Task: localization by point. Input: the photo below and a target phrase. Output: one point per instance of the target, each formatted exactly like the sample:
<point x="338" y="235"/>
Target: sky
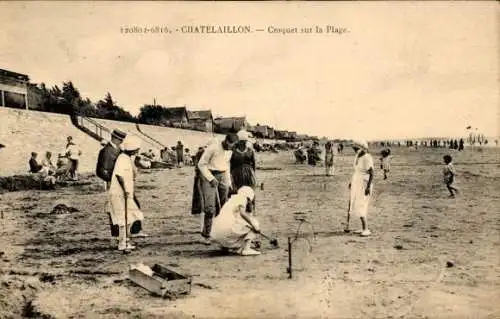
<point x="403" y="69"/>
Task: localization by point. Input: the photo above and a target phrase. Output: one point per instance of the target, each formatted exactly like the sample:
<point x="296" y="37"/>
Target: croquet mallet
<point x="272" y="241"/>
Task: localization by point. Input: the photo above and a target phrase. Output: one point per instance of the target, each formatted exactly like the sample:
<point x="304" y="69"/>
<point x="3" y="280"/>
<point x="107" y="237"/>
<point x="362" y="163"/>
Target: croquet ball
<point x="398" y="247"/>
<point x="450" y="264"/>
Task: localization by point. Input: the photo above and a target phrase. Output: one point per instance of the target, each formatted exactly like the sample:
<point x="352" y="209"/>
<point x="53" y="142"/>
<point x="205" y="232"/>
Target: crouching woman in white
<point x="361" y="186"/>
<point x="233" y="228"/>
<point x="121" y="192"/>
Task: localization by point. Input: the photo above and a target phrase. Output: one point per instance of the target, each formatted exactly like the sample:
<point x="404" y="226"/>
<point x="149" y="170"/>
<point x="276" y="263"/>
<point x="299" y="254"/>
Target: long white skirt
<point x="232" y="234"/>
<point x="358" y="200"/>
<point x="117" y="207"/>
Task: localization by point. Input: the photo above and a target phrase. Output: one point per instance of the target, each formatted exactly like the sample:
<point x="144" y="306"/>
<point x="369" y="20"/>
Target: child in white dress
<point x="449" y="174"/>
<point x="385" y="163"/>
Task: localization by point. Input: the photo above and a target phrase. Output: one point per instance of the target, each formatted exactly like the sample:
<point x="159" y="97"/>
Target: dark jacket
<point x="34" y="166"/>
<point x="106" y="162"/>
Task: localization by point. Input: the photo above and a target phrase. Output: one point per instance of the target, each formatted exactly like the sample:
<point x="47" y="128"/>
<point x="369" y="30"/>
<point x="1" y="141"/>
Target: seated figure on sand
<point x="43" y="172"/>
<point x="63" y="167"/>
<point x="35" y="167"/>
<point x="150" y="155"/>
<point x="47" y="162"/>
<point x="234" y="228"/>
<point x="142" y="162"/>
<point x="188" y="160"/>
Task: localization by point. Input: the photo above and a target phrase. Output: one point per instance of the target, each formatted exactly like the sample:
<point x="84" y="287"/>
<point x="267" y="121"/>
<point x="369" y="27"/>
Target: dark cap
<point x="118" y="134"/>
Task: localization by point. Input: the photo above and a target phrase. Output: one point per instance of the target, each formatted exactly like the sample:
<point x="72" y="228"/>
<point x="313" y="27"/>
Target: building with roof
<point x="177" y="115"/>
<point x="13" y="89"/>
<point x="201" y="120"/>
<point x="225" y="125"/>
<point x="264" y="131"/>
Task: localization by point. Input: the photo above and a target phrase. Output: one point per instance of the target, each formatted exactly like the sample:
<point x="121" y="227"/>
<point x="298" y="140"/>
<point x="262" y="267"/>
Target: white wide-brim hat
<point x="131" y="143"/>
<point x="247" y="192"/>
<point x="361" y="143"/>
<point x="243" y="135"/>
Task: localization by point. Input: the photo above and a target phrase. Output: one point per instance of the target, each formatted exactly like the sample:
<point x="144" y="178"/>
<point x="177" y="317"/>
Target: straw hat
<point x="119" y="134"/>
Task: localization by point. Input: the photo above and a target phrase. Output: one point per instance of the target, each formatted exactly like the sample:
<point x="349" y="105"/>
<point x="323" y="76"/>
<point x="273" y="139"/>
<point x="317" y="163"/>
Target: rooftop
<point x="10" y="74"/>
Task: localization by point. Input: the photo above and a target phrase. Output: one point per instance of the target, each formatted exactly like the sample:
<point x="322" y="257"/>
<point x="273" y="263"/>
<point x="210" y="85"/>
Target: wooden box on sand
<point x="160" y="281"/>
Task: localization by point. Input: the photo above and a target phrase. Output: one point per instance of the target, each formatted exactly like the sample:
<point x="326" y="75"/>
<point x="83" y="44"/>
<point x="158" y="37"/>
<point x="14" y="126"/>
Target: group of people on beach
<point x="224" y="193"/>
<point x="224" y="189"/>
<point x="361" y="184"/>
<point x="66" y="167"/>
<point x="176" y="156"/>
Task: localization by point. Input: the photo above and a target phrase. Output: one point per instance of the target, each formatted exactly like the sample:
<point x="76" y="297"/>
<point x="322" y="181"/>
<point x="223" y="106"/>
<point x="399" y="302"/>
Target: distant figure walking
<point x="73" y="153"/>
<point x="329" y="159"/>
<point x="179" y="149"/>
<point x="385" y="164"/>
<point x="361" y="186"/>
<point x="449" y="175"/>
<point x="461" y="145"/>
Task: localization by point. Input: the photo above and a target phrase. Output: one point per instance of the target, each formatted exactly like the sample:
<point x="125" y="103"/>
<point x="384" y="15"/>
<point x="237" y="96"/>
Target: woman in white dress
<point x="121" y="189"/>
<point x="234" y="228"/>
<point x="361" y="186"/>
